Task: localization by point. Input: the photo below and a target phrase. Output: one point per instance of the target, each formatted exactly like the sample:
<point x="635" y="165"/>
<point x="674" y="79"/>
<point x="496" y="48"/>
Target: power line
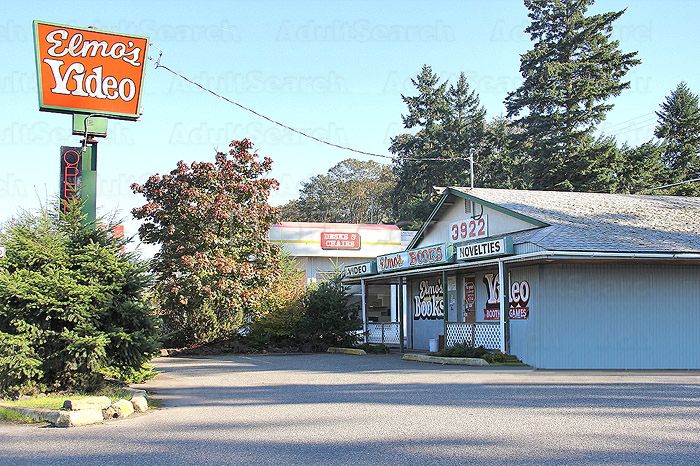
<point x="671" y="185"/>
<point x="294" y="130"/>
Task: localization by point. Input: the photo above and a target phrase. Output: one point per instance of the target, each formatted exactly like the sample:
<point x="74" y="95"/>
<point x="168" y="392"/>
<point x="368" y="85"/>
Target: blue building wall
<point x="614" y="316"/>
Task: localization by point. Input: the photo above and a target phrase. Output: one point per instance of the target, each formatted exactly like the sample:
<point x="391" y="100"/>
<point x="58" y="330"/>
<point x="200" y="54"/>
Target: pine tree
<point x="679" y="129"/>
<point x="448" y="121"/>
<point x="570" y="74"/>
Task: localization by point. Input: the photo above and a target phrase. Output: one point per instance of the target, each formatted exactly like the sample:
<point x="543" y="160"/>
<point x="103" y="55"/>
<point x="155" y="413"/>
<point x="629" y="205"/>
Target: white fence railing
<point x="383" y="332"/>
<point x="483" y="334"/>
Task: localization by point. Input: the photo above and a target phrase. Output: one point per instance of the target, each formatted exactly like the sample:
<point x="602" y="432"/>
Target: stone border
<point x="352" y="351"/>
<point x="89" y="411"/>
<point x="444" y="360"/>
<point x="60" y="418"/>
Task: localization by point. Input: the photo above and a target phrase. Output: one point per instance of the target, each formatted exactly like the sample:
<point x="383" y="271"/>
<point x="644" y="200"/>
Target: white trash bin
<point x="433" y="345"/>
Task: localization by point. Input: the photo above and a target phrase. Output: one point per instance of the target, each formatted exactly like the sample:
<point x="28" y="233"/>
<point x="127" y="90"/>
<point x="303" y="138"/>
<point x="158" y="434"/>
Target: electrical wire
<point x="694" y="180"/>
<point x="294" y="130"/>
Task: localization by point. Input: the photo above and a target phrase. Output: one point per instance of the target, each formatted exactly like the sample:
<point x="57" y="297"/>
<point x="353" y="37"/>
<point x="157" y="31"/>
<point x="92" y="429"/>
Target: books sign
<point x="414" y="258"/>
<point x="83" y="70"/>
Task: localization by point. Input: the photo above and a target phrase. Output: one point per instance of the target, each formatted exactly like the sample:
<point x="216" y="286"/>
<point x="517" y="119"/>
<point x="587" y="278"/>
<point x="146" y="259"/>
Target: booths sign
<point x="414" y="258"/>
<point x="82" y="70"/>
<point x="519" y="297"/>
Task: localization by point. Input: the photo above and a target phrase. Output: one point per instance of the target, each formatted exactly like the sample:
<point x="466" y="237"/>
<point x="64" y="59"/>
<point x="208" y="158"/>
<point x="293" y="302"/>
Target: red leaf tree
<point x="215" y="263"/>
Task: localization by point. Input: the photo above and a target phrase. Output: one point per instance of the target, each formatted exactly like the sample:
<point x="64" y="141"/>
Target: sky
<point x="335" y="69"/>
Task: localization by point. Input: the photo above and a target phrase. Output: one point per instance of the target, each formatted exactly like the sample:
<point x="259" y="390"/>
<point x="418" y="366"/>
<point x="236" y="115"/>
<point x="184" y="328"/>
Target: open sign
<point x="81" y="70"/>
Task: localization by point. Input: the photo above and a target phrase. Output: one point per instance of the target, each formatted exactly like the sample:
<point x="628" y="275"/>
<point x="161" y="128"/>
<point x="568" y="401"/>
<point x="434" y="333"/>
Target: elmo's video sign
<point x="83" y="70"/>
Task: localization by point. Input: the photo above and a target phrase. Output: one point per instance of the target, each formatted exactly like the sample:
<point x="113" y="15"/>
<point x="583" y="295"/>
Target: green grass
<point x="55" y="401"/>
<point x="8" y="415"/>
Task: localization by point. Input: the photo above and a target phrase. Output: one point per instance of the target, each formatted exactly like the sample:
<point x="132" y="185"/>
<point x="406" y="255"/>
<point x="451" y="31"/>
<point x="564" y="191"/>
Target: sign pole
<point x="88" y="189"/>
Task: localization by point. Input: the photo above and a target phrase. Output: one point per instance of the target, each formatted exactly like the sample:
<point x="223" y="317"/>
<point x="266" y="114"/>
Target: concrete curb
<point x="353" y="351"/>
<point x="60" y="418"/>
<point x="444" y="360"/>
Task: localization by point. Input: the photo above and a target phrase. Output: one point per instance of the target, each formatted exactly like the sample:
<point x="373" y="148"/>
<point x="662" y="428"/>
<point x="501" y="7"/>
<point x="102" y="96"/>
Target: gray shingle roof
<point x="602" y="222"/>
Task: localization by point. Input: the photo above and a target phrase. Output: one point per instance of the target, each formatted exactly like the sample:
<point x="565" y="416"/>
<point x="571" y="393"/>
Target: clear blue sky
<point x="334" y="68"/>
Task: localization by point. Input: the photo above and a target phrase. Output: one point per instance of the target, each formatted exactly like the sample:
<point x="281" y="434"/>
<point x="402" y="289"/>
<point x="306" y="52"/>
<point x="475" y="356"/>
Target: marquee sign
<point x="518" y="297"/>
<point x="472" y="228"/>
<point x="360" y="270"/>
<point x="414" y="258"/>
<point x="82" y="70"/>
<point x="71" y="174"/>
<point x="340" y="241"/>
<point x="483" y="249"/>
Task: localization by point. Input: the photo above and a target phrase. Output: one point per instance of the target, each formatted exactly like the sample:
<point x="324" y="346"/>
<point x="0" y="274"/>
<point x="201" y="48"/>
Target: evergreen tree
<point x="570" y="74"/>
<point x="72" y="305"/>
<point x="499" y="164"/>
<point x="679" y="129"/>
<point x="448" y="124"/>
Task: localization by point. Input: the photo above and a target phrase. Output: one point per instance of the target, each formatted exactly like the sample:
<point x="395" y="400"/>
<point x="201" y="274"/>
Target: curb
<point x="352" y="351"/>
<point x="445" y="360"/>
<point x="60" y="418"/>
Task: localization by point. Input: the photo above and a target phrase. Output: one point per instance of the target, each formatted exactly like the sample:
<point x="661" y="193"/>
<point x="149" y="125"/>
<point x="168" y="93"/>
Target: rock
<point x="41" y="395"/>
<point x="165" y="352"/>
<point x="136" y="392"/>
<point x="109" y="413"/>
<point x="123" y="408"/>
<point x="93" y="402"/>
<point x="83" y="417"/>
<point x="140" y="404"/>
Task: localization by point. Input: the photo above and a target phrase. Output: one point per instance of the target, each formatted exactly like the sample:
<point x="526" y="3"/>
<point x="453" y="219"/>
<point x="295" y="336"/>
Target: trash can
<point x="433" y="345"/>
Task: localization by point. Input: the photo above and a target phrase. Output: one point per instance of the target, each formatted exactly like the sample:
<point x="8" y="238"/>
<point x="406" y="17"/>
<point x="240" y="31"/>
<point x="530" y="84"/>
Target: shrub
<point x="71" y="304"/>
<point x="464" y="350"/>
<point x="328" y="319"/>
<point x="374" y="349"/>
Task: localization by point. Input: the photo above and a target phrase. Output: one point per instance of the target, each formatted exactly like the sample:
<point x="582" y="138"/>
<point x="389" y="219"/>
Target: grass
<point x="55" y="400"/>
<point x="8" y="415"/>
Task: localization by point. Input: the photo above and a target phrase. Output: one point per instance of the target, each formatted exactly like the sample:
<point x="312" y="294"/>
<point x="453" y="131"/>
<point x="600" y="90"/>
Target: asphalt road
<point x="336" y="409"/>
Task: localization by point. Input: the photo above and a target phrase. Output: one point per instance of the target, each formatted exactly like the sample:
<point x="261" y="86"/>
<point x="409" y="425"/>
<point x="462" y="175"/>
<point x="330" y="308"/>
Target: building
<point x="323" y="249"/>
<point x="591" y="280"/>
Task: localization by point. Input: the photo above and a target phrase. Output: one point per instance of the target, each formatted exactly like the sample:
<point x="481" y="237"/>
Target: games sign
<point x="518" y="296"/>
<point x="83" y="70"/>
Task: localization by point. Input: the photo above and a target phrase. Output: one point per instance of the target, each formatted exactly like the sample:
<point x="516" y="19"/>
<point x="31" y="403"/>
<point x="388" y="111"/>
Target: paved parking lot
<point x="336" y="409"/>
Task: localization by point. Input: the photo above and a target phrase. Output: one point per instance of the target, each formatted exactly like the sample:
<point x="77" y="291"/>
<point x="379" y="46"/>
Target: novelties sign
<point x="414" y="258"/>
<point x="484" y="249"/>
<point x="340" y="241"/>
<point x="82" y="70"/>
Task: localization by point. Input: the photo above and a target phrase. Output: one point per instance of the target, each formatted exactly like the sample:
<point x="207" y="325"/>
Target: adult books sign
<point x="83" y="70"/>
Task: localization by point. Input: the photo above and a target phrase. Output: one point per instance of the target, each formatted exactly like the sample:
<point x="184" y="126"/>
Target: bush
<point x="464" y="350"/>
<point x="328" y="319"/>
<point x="71" y="304"/>
<point x="374" y="349"/>
<point x="308" y="319"/>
